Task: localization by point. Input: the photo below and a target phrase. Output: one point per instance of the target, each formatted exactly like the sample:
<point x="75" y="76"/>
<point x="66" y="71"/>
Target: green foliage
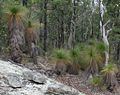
<point x="109" y="76"/>
<point x="74" y="55"/>
<point x="110" y="68"/>
<point x="97" y="81"/>
<point x="16" y="10"/>
<point x="31" y="23"/>
<point x="60" y="55"/>
<point x="60" y="2"/>
<point x="91" y="51"/>
<point x="74" y="52"/>
<point x="116" y="30"/>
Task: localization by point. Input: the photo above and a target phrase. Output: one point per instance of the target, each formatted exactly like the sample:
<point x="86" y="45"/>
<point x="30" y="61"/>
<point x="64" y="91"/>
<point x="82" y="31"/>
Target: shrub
<point x="97" y="81"/>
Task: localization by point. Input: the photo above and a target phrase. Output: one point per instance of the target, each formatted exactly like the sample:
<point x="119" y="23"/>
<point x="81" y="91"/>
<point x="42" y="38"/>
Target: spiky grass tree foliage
<point x="74" y="67"/>
<point x="74" y="55"/>
<point x="61" y="58"/>
<point x="92" y="56"/>
<point x="15" y="15"/>
<point x="109" y="76"/>
<point x="96" y="82"/>
<point x="93" y="61"/>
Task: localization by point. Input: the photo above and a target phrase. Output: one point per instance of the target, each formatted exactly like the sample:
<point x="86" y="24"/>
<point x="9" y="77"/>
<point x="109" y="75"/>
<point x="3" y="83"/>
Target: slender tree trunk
<point x="71" y="39"/>
<point x="59" y="37"/>
<point x="103" y="31"/>
<point x="118" y="51"/>
<point x="45" y="26"/>
<point x="62" y="29"/>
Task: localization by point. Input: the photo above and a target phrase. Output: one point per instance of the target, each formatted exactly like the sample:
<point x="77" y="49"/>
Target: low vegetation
<point x="92" y="56"/>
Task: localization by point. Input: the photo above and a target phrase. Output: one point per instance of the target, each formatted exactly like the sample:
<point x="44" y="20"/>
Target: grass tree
<point x="93" y="61"/>
<point x="31" y="39"/>
<point x="92" y="56"/>
<point x="15" y="16"/>
<point x="74" y="67"/>
<point x="109" y="76"/>
<point x="61" y="58"/>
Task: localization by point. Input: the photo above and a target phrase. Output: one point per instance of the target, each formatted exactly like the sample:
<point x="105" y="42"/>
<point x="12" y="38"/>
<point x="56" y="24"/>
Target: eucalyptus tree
<point x="71" y="40"/>
<point x="106" y="29"/>
<point x="113" y="8"/>
<point x="103" y="30"/>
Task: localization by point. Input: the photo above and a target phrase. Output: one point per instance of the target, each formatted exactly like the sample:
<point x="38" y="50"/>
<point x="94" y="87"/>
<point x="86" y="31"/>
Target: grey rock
<point x="35" y="77"/>
<point x="4" y="93"/>
<point x="14" y="80"/>
<point x="20" y="78"/>
<point x="38" y="78"/>
<point x="59" y="91"/>
<point x="28" y="75"/>
<point x="9" y="93"/>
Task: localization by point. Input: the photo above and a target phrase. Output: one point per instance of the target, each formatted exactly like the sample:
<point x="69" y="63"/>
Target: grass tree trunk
<point x="31" y="43"/>
<point x="15" y="39"/>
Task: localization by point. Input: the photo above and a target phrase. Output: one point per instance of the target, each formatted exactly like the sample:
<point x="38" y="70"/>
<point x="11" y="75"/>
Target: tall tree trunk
<point x="62" y="33"/>
<point x="71" y="39"/>
<point x="118" y="51"/>
<point x="59" y="38"/>
<point x="103" y="31"/>
<point x="45" y="26"/>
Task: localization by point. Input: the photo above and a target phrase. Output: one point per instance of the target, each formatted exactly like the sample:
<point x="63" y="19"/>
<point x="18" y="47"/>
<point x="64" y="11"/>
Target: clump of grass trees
<point x="90" y="59"/>
<point x="22" y="33"/>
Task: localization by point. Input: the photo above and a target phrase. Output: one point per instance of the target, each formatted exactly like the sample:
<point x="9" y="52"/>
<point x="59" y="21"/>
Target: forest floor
<point x="75" y="81"/>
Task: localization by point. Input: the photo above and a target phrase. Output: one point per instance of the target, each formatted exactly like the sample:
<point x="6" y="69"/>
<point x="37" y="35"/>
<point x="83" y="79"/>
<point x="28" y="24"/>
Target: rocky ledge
<point x="17" y="80"/>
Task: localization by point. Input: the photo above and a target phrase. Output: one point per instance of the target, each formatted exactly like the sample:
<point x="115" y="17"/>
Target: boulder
<point x="38" y="78"/>
<point x="17" y="80"/>
<point x="35" y="77"/>
<point x="14" y="80"/>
